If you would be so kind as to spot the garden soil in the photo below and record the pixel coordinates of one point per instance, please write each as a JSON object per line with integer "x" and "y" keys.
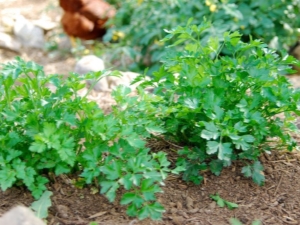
{"x": 277, "y": 202}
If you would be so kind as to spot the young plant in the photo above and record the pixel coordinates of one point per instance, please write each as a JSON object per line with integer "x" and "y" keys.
{"x": 58, "y": 131}
{"x": 40, "y": 130}
{"x": 221, "y": 202}
{"x": 224, "y": 108}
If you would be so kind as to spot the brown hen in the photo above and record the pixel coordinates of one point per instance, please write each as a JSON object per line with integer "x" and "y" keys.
{"x": 85, "y": 19}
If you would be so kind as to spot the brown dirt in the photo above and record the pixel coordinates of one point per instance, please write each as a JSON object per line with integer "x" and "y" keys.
{"x": 277, "y": 202}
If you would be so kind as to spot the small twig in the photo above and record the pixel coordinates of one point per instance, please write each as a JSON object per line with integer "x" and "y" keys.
{"x": 270, "y": 187}
{"x": 170, "y": 143}
{"x": 71, "y": 222}
{"x": 292, "y": 221}
{"x": 282, "y": 171}
{"x": 278, "y": 185}
{"x": 284, "y": 160}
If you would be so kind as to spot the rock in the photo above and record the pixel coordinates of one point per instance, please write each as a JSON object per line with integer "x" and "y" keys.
{"x": 28, "y": 34}
{"x": 9, "y": 43}
{"x": 64, "y": 211}
{"x": 20, "y": 216}
{"x": 92, "y": 63}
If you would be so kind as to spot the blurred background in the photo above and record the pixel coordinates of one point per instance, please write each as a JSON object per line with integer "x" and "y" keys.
{"x": 126, "y": 34}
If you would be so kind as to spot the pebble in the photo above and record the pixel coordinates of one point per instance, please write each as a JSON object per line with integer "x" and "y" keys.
{"x": 63, "y": 211}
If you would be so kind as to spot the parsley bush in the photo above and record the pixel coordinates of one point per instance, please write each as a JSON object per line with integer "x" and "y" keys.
{"x": 224, "y": 108}
{"x": 62, "y": 133}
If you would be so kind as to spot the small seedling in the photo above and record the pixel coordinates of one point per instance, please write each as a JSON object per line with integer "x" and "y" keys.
{"x": 221, "y": 202}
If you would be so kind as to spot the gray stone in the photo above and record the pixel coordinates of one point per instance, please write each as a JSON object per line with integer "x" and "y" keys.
{"x": 90, "y": 63}
{"x": 20, "y": 215}
{"x": 28, "y": 34}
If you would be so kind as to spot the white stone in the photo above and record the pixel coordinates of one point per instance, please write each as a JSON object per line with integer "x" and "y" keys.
{"x": 28, "y": 34}
{"x": 91, "y": 63}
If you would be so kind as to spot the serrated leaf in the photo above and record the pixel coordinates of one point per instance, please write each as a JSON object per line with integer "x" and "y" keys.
{"x": 213, "y": 43}
{"x": 154, "y": 175}
{"x": 38, "y": 187}
{"x": 41, "y": 206}
{"x": 223, "y": 149}
{"x": 29, "y": 177}
{"x": 191, "y": 103}
{"x": 70, "y": 119}
{"x": 154, "y": 211}
{"x": 38, "y": 147}
{"x": 248, "y": 138}
{"x": 126, "y": 181}
{"x": 127, "y": 198}
{"x": 132, "y": 210}
{"x": 211, "y": 131}
{"x": 216, "y": 167}
{"x": 109, "y": 188}
{"x": 155, "y": 129}
{"x": 136, "y": 179}
{"x": 239, "y": 127}
{"x": 162, "y": 159}
{"x": 66, "y": 151}
{"x": 112, "y": 171}
{"x": 208, "y": 135}
{"x": 49, "y": 130}
{"x": 13, "y": 154}
{"x": 220, "y": 202}
{"x": 61, "y": 169}
{"x": 133, "y": 198}
{"x": 258, "y": 177}
{"x": 246, "y": 170}
{"x": 19, "y": 167}
{"x": 7, "y": 178}
{"x": 136, "y": 142}
{"x": 212, "y": 147}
